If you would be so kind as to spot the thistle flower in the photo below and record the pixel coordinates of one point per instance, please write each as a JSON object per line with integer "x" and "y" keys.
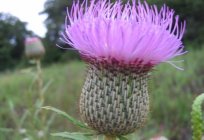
{"x": 121, "y": 44}
{"x": 34, "y": 48}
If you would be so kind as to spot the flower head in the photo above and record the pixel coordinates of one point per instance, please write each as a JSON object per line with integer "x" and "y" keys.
{"x": 31, "y": 40}
{"x": 134, "y": 34}
{"x": 121, "y": 43}
{"x": 34, "y": 48}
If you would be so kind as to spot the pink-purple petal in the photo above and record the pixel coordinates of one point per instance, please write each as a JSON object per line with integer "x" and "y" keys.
{"x": 136, "y": 33}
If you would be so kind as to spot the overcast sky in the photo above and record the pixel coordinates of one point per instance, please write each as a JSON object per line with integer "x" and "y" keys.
{"x": 27, "y": 11}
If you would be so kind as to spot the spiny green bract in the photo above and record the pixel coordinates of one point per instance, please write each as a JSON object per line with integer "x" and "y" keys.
{"x": 197, "y": 120}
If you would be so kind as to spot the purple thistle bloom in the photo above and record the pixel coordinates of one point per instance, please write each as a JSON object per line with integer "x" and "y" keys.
{"x": 137, "y": 34}
{"x": 121, "y": 44}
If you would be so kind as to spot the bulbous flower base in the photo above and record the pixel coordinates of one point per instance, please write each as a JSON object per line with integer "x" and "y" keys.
{"x": 114, "y": 102}
{"x": 35, "y": 50}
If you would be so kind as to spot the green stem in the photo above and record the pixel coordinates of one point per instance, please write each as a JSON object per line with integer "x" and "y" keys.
{"x": 39, "y": 80}
{"x": 40, "y": 88}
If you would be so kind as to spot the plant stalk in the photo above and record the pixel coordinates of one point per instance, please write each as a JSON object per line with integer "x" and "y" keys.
{"x": 39, "y": 80}
{"x": 110, "y": 137}
{"x": 40, "y": 88}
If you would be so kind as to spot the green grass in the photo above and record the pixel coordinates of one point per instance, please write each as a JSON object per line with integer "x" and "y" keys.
{"x": 18, "y": 87}
{"x": 171, "y": 91}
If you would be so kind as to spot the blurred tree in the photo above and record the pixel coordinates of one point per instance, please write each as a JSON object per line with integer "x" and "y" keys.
{"x": 191, "y": 11}
{"x": 12, "y": 35}
{"x": 56, "y": 13}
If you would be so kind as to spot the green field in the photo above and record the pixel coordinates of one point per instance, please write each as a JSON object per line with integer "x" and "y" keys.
{"x": 172, "y": 92}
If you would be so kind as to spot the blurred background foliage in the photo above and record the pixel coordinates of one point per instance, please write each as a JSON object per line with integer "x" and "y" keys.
{"x": 172, "y": 91}
{"x": 12, "y": 34}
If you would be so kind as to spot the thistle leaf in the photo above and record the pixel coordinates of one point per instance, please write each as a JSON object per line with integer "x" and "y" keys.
{"x": 73, "y": 136}
{"x": 68, "y": 117}
{"x": 197, "y": 119}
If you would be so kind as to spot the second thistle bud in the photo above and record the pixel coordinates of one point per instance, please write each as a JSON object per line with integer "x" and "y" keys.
{"x": 34, "y": 48}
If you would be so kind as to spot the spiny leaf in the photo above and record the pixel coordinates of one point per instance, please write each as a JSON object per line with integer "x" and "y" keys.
{"x": 197, "y": 120}
{"x": 73, "y": 136}
{"x": 68, "y": 117}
